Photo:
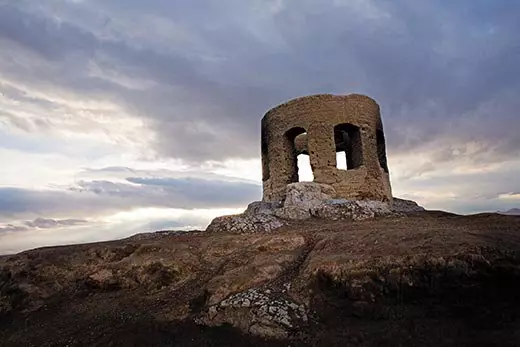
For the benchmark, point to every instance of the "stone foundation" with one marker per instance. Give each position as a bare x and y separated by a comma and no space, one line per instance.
303,201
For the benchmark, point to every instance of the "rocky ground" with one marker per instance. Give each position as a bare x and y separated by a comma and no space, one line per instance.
423,279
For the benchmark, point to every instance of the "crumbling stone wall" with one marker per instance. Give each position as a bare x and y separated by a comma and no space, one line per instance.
320,126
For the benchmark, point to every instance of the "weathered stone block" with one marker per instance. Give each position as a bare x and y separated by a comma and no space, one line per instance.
307,194
243,223
404,206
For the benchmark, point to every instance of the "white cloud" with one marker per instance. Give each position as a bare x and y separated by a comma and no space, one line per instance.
515,197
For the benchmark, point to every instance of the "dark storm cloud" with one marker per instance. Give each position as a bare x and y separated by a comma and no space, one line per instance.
89,198
512,212
50,39
203,190
17,202
177,193
445,75
10,228
42,223
48,223
190,175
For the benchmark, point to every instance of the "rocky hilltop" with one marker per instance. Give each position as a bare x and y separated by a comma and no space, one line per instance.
399,279
306,200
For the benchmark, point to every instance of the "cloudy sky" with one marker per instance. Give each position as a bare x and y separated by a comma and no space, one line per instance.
126,116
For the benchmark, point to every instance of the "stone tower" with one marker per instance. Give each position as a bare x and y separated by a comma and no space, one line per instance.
320,126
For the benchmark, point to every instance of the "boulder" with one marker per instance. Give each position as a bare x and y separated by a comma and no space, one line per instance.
342,209
261,207
245,223
406,206
302,198
306,195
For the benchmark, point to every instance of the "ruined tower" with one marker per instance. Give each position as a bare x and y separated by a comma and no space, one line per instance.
320,126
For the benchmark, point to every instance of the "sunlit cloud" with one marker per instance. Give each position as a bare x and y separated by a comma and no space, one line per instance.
510,196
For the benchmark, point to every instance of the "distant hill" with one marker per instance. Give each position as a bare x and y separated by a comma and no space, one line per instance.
512,212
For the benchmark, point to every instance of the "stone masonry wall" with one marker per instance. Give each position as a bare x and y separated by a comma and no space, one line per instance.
316,117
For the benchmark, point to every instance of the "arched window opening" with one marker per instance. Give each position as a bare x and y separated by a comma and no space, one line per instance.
300,169
266,170
349,149
381,150
300,144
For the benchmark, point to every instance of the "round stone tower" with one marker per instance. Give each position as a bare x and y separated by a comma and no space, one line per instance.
320,126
